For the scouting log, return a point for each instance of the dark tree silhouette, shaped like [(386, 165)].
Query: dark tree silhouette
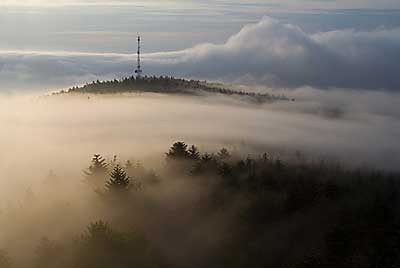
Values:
[(223, 154), (207, 157), (97, 232), (339, 217), (165, 84), (119, 180), (178, 151), (96, 174), (193, 153), (103, 247)]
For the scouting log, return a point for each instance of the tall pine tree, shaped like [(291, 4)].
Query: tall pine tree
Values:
[(119, 180)]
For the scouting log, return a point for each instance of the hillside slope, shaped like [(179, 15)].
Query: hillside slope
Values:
[(167, 85)]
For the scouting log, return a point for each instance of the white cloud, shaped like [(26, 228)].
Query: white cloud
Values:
[(269, 52), (283, 55)]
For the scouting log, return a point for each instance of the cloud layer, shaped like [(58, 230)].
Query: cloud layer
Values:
[(283, 55), (269, 53)]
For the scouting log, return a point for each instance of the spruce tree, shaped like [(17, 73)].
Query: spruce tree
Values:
[(178, 151), (96, 174), (194, 153), (119, 180)]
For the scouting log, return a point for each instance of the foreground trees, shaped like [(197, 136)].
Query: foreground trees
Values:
[(99, 246), (224, 210)]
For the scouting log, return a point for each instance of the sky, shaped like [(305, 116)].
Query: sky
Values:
[(344, 44)]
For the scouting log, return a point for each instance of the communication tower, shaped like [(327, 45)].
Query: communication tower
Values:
[(138, 70)]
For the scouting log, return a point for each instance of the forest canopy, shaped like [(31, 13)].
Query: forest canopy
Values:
[(167, 85), (220, 209)]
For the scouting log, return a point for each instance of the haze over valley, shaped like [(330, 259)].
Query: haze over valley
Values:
[(262, 134)]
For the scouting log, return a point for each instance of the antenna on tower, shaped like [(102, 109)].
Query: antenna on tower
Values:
[(138, 70)]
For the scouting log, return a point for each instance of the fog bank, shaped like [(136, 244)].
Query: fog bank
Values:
[(54, 132), (46, 142)]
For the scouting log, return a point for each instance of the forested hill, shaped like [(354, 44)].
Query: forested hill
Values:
[(168, 85)]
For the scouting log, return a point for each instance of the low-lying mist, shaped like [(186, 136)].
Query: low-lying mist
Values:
[(354, 127), (47, 141)]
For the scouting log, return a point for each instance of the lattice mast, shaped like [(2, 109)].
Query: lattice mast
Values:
[(138, 70)]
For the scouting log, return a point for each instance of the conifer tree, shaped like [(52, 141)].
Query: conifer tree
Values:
[(194, 153), (97, 232), (96, 174), (223, 154), (119, 180), (207, 157), (178, 151)]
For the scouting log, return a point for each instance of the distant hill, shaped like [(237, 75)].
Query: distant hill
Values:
[(166, 85)]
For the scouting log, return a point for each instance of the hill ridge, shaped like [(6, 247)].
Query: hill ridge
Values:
[(166, 85)]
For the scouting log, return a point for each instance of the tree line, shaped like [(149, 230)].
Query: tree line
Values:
[(166, 84), (297, 213)]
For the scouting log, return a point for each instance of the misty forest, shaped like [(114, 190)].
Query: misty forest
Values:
[(102, 176), (206, 209), (199, 134)]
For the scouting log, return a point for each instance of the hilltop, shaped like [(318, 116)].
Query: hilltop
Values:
[(166, 85)]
